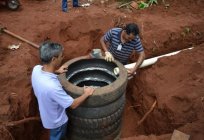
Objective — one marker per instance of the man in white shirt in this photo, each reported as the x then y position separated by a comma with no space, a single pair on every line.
52,99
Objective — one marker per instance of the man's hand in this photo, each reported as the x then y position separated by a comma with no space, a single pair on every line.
62,69
109,57
88,90
131,72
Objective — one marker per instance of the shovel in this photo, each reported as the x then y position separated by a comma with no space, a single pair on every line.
4,30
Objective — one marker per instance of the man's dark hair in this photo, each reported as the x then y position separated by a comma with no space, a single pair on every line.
132,28
48,50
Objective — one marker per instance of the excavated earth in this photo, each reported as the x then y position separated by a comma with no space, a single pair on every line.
176,82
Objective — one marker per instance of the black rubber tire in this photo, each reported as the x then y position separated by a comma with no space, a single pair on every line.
91,133
98,112
110,133
97,123
83,75
98,127
104,95
113,136
97,63
99,117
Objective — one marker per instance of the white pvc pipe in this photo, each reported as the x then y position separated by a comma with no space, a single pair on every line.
148,62
153,60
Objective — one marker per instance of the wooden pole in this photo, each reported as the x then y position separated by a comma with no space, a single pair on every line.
20,38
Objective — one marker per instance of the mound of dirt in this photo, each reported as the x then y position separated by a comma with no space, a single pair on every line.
176,83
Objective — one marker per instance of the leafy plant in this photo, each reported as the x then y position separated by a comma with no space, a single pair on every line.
150,2
143,5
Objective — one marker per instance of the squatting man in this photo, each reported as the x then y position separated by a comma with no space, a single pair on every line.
119,43
52,99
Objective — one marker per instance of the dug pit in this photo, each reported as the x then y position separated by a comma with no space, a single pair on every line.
175,82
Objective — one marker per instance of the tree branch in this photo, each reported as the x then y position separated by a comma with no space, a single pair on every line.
147,113
14,123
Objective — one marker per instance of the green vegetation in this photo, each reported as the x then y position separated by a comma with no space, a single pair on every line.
143,5
152,2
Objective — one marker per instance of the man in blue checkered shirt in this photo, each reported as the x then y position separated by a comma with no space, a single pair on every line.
119,44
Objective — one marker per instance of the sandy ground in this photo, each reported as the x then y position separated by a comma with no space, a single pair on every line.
175,82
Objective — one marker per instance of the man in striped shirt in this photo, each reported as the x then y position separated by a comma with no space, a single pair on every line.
119,44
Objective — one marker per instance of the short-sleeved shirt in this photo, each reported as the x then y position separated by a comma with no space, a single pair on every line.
113,36
52,99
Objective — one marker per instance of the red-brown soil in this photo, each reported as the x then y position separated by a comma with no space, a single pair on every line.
176,82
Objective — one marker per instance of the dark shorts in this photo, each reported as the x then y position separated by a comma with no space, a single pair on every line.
58,133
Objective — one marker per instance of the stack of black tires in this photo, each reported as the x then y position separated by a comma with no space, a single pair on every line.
100,116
